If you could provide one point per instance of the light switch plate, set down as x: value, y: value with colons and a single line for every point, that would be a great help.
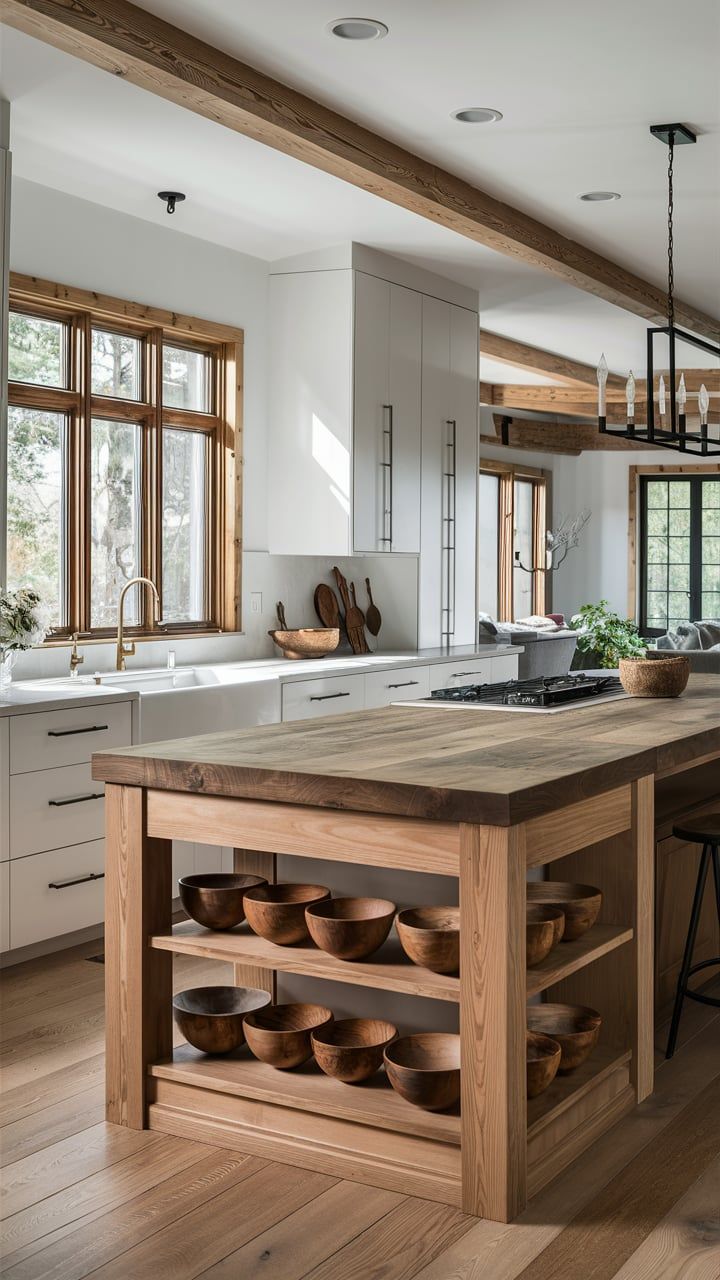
x: 256, y: 601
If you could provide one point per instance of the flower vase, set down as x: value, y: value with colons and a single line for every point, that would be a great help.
x: 7, y: 659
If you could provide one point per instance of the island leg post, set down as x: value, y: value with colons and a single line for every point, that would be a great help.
x: 492, y: 1021
x: 643, y: 896
x: 138, y: 979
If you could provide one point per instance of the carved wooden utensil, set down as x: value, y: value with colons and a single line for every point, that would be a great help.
x: 373, y: 617
x: 326, y: 606
x: 280, y: 610
x: 354, y: 621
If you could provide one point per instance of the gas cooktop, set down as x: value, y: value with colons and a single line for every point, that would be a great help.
x: 546, y: 694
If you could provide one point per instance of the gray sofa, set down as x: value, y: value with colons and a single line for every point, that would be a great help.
x: 699, y: 640
x: 545, y: 653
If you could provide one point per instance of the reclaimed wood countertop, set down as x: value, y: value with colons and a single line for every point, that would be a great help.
x: 451, y: 764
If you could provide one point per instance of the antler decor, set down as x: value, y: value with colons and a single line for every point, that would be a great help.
x: 558, y: 543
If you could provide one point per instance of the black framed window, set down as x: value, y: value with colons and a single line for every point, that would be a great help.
x: 679, y: 550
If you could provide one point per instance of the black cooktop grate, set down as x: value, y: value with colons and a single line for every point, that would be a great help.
x: 549, y: 691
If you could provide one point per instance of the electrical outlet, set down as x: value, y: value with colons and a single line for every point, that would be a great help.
x: 256, y: 601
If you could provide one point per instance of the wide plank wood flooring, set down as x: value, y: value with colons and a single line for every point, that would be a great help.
x: 84, y: 1198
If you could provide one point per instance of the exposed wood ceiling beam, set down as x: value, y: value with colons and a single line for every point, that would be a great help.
x: 576, y: 402
x: 131, y: 43
x: 495, y: 346
x: 559, y: 437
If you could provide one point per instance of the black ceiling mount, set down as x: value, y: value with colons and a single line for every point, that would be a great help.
x: 680, y: 134
x: 171, y: 198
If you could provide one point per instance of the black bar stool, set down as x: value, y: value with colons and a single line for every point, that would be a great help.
x: 705, y: 831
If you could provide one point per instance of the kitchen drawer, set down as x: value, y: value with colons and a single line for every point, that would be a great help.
x: 48, y: 739
x: 448, y: 675
x: 4, y: 906
x: 38, y: 911
x: 384, y: 687
x: 308, y: 699
x: 49, y: 809
x: 505, y: 667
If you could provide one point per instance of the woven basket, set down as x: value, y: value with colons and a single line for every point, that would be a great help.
x: 655, y: 677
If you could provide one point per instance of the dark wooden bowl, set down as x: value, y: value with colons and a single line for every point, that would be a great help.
x: 211, y: 1018
x: 543, y: 1059
x: 215, y: 899
x: 430, y: 936
x: 280, y: 1033
x: 352, y: 1049
x: 580, y: 903
x: 573, y: 1026
x: 425, y: 1069
x: 544, y: 929
x: 277, y: 911
x: 350, y: 928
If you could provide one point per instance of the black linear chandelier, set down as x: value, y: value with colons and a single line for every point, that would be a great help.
x: 669, y: 427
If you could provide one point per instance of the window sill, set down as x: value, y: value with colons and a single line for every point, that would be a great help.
x: 148, y: 637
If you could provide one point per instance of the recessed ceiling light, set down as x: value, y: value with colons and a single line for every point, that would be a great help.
x: 599, y: 197
x: 477, y: 115
x: 357, y: 29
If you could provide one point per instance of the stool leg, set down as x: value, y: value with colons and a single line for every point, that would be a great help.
x: 716, y: 873
x: 689, y: 948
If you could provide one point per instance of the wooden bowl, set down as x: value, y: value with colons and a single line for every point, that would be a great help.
x: 280, y: 1033
x: 425, y: 1069
x: 430, y: 936
x: 574, y: 1027
x: 307, y: 642
x: 352, y: 1049
x: 544, y: 928
x: 211, y: 1018
x: 580, y: 903
x: 543, y: 1059
x: 657, y: 677
x: 350, y: 928
x: 215, y: 899
x: 277, y: 911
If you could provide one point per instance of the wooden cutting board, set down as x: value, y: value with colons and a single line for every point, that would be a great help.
x: 326, y: 605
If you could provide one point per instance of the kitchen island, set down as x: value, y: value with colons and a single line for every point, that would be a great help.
x: 481, y: 796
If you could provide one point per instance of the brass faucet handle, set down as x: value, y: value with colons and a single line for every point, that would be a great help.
x: 75, y: 659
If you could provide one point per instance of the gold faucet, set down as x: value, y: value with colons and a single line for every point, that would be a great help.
x: 75, y: 659
x: 127, y: 650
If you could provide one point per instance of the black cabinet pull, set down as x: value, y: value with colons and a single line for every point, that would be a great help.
x: 404, y: 684
x: 68, y: 884
x: 70, y: 733
x: 325, y: 697
x: 93, y: 795
x: 456, y: 675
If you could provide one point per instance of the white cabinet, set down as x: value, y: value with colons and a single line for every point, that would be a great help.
x: 56, y: 892
x: 55, y: 807
x: 447, y: 604
x: 54, y: 738
x: 385, y: 687
x: 386, y: 424
x: 446, y: 675
x: 4, y: 906
x: 309, y: 699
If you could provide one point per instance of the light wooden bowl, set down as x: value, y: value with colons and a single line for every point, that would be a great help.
x: 350, y: 928
x: 425, y: 1069
x: 655, y: 677
x: 573, y: 1026
x: 280, y: 1033
x: 277, y: 911
x: 580, y: 903
x: 211, y: 1018
x: 430, y: 936
x: 352, y: 1049
x: 215, y: 899
x: 307, y: 642
x: 542, y: 1059
x: 544, y: 928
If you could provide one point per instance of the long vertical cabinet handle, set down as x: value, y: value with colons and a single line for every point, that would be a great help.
x: 448, y: 530
x: 387, y: 473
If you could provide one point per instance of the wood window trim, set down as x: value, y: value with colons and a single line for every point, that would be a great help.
x: 508, y: 473
x: 82, y: 309
x: 634, y: 474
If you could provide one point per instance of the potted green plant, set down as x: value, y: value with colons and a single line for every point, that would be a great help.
x: 604, y: 637
x: 22, y: 624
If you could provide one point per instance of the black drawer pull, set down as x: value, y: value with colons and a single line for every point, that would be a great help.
x: 325, y: 697
x: 456, y: 675
x: 68, y: 884
x: 70, y: 733
x: 403, y: 685
x: 93, y: 795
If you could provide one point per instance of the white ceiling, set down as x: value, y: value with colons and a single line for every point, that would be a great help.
x: 80, y: 130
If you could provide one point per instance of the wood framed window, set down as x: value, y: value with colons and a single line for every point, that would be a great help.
x: 124, y: 460
x: 513, y: 506
x: 674, y: 545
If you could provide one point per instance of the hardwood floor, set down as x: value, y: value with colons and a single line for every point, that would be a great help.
x: 84, y: 1198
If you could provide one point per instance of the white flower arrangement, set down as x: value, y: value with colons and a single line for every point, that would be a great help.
x: 23, y: 620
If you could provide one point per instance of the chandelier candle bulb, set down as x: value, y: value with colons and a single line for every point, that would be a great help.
x: 630, y: 396
x: 681, y: 402
x: 661, y: 396
x: 602, y: 377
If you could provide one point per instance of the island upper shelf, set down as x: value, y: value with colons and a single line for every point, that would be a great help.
x: 449, y: 764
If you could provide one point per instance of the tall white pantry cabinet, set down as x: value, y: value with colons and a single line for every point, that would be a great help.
x: 373, y: 429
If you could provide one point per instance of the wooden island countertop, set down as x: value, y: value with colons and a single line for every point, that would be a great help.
x: 454, y: 764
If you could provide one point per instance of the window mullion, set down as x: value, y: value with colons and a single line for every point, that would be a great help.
x: 152, y: 480
x: 79, y: 545
x: 695, y: 548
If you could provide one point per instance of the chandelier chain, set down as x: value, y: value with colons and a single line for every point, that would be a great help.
x: 671, y: 271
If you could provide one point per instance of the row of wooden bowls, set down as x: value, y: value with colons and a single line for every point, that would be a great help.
x: 424, y: 1068
x: 347, y: 928
x: 558, y: 911
x: 560, y: 1037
